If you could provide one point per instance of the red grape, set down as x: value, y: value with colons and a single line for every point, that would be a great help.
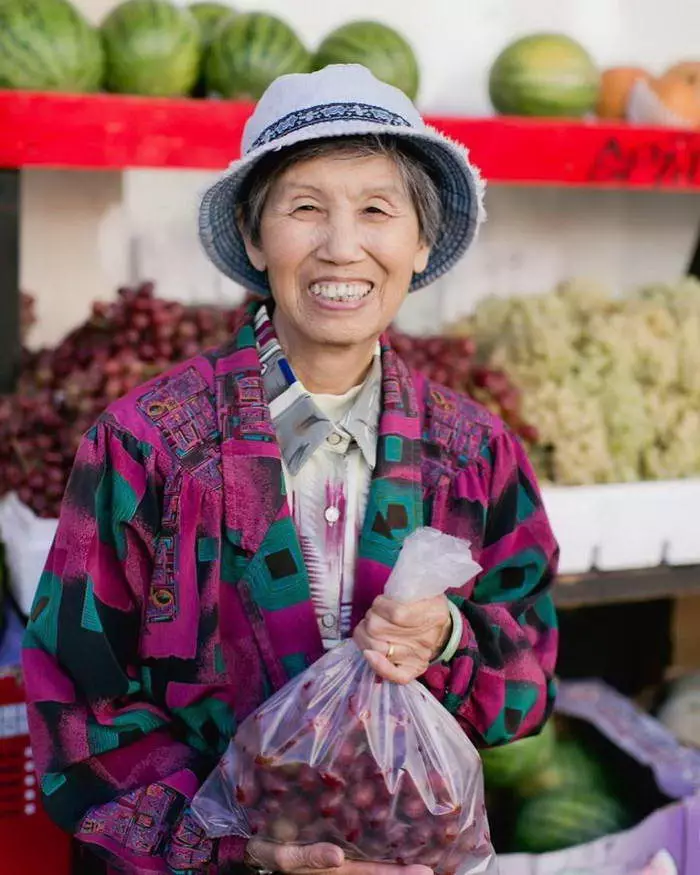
x: 330, y: 803
x: 362, y: 795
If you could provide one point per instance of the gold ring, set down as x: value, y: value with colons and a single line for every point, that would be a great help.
x: 390, y: 651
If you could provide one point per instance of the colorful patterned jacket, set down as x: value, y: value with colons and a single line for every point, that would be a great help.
x: 175, y: 598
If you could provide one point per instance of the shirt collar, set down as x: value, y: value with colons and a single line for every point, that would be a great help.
x: 300, y: 425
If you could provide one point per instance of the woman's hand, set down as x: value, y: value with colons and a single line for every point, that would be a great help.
x: 318, y: 858
x: 400, y: 641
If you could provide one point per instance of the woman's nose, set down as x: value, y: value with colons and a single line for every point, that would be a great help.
x: 341, y: 241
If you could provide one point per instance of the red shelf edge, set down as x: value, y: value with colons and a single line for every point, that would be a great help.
x: 106, y: 131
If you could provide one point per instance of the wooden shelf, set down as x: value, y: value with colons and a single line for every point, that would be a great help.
x: 106, y: 131
x: 573, y: 591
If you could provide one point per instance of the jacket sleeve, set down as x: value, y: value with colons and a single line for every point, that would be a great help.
x: 500, y: 683
x: 113, y: 771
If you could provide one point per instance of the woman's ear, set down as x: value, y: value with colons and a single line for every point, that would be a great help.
x: 420, y: 262
x: 254, y: 252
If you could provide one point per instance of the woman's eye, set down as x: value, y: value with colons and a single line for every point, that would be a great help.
x: 307, y: 208
x: 375, y: 211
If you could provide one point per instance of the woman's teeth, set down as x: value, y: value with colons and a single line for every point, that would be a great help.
x: 340, y: 291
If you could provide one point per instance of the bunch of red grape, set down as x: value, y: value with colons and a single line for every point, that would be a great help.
x: 124, y: 343
x: 62, y: 390
x: 349, y: 804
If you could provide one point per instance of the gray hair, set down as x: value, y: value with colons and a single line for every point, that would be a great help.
x: 416, y: 176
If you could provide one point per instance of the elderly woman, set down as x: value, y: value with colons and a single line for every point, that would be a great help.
x: 229, y: 521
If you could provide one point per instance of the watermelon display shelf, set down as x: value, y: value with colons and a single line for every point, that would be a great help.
x: 104, y: 131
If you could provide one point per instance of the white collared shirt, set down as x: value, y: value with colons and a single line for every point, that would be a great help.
x: 327, y: 499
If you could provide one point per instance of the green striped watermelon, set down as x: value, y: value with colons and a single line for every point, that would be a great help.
x: 562, y: 819
x: 544, y: 75
x: 249, y: 52
x: 209, y: 17
x: 513, y: 764
x: 47, y: 45
x: 571, y: 766
x: 153, y: 48
x: 377, y: 47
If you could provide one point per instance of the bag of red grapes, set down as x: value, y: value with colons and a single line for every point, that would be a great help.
x: 339, y: 755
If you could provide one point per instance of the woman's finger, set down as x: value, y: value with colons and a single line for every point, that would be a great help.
x: 362, y: 867
x: 378, y: 632
x: 377, y: 626
x: 357, y: 867
x: 307, y: 858
x: 360, y: 636
x: 396, y: 651
x: 398, y: 674
x: 398, y: 614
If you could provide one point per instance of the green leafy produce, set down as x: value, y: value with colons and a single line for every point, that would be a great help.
x: 378, y: 47
x: 249, y: 52
x: 48, y: 45
x: 153, y: 48
x: 612, y: 384
x: 544, y: 74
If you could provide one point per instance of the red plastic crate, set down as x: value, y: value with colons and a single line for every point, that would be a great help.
x: 30, y: 844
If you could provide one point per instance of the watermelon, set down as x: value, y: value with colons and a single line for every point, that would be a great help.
x: 562, y: 819
x: 544, y: 75
x: 249, y: 52
x: 209, y: 16
x: 570, y: 766
x: 377, y: 47
x: 153, y: 48
x: 47, y: 45
x: 513, y: 764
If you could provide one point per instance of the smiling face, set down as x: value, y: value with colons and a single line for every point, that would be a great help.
x: 340, y: 240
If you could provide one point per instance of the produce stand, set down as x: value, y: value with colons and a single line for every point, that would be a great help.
x: 115, y: 133
x: 118, y: 132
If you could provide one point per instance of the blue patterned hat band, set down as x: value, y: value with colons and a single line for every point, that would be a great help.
x: 339, y: 101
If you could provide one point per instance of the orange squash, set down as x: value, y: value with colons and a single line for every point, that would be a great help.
x: 680, y: 96
x: 687, y: 70
x: 615, y: 89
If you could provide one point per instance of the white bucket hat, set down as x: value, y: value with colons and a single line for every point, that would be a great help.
x: 338, y: 101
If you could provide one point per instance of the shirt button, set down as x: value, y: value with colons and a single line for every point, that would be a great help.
x: 332, y: 515
x: 328, y: 621
x: 334, y: 439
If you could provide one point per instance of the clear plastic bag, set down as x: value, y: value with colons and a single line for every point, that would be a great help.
x: 340, y: 755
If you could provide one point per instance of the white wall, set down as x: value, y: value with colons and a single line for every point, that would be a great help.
x: 89, y: 234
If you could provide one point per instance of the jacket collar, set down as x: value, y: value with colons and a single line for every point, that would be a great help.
x: 301, y: 426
